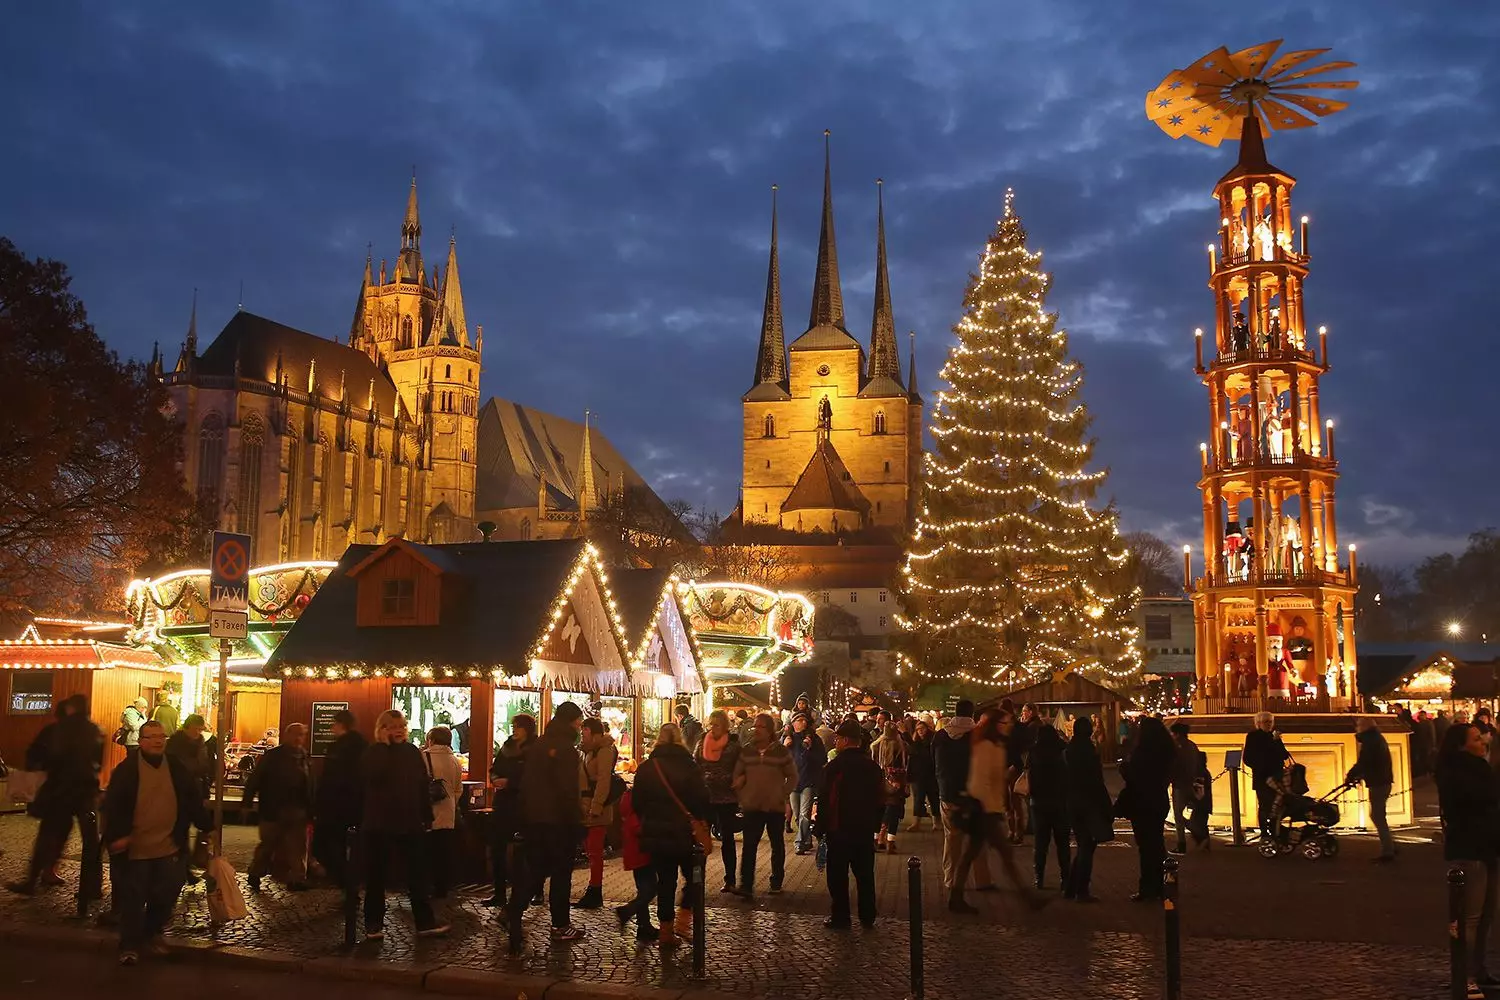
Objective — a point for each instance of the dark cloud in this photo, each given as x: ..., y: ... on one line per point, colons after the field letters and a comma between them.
x: 607, y: 169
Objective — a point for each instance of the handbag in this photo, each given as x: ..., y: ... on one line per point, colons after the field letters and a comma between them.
x: 1023, y: 784
x: 617, y: 789
x: 23, y: 786
x: 702, y: 835
x: 437, y: 789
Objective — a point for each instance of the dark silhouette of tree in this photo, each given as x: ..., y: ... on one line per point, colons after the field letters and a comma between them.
x: 1155, y: 565
x: 90, y: 487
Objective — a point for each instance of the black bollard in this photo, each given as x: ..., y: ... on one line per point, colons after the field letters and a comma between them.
x: 1174, y: 928
x: 700, y: 916
x: 1458, y: 944
x: 351, y: 888
x: 1234, y: 806
x: 914, y: 923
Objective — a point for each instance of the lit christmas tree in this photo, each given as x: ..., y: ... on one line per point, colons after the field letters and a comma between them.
x: 1011, y: 572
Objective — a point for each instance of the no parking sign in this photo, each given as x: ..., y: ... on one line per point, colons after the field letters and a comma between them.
x: 229, y: 572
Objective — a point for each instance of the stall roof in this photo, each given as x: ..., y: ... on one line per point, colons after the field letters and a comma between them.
x: 508, y: 598
x: 1383, y: 666
x: 1063, y: 689
x: 74, y: 654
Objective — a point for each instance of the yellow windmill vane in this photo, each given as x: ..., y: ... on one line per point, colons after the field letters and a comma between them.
x: 1219, y: 95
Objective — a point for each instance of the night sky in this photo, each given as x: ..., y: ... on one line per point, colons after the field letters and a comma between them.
x: 607, y: 169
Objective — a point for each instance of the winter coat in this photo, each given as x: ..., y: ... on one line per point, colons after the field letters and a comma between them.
x: 1089, y: 805
x: 950, y: 758
x: 442, y: 763
x: 1265, y: 755
x: 719, y: 774
x: 1022, y: 739
x: 1373, y: 765
x: 1048, y: 773
x: 692, y: 730
x: 395, y: 789
x: 802, y: 706
x: 132, y: 720
x: 552, y: 782
x: 851, y: 799
x: 631, y: 854
x: 764, y: 778
x: 340, y: 793
x: 921, y: 768
x: 1469, y: 803
x: 890, y: 754
x: 666, y: 831
x: 509, y: 764
x: 193, y: 755
x: 988, y: 782
x: 282, y: 780
x: 124, y: 789
x: 1148, y: 774
x: 1189, y: 764
x: 167, y: 716
x: 810, y: 757
x: 598, y: 768
x: 70, y: 751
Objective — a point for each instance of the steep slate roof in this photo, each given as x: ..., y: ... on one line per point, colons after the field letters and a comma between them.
x: 770, y: 361
x: 826, y: 484
x: 885, y: 358
x: 507, y: 601
x: 825, y: 324
x: 256, y: 342
x: 638, y: 594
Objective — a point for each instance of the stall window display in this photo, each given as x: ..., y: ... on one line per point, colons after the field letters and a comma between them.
x: 427, y: 706
x: 508, y: 705
x: 653, y: 714
x: 616, y: 712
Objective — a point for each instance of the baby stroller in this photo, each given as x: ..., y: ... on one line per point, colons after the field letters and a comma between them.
x: 1300, y: 821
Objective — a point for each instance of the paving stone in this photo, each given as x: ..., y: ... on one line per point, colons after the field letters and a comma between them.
x: 458, y: 981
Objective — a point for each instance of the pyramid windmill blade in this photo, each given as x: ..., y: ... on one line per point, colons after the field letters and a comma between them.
x: 1279, y: 116
x: 1326, y: 85
x: 1173, y: 96
x: 1291, y: 59
x: 1216, y: 68
x: 1325, y: 68
x: 1319, y: 106
x: 1249, y: 62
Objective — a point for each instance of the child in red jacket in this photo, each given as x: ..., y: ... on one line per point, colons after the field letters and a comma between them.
x: 638, y: 863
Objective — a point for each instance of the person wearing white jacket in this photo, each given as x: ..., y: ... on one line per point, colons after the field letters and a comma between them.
x: 443, y: 766
x: 988, y: 789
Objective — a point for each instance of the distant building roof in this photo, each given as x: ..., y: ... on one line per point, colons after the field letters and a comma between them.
x: 1383, y: 666
x: 825, y: 484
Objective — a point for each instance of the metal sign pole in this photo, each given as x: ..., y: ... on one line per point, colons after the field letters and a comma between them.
x: 223, y: 727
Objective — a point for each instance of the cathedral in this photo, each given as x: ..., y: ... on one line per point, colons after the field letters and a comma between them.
x: 832, y: 435
x: 309, y: 445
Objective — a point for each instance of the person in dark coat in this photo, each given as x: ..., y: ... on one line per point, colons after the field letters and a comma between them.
x: 282, y: 780
x: 802, y: 706
x: 1090, y: 812
x: 810, y: 757
x: 1469, y: 805
x: 70, y: 751
x: 951, y: 752
x: 921, y: 772
x: 552, y: 784
x: 338, y: 804
x: 1144, y: 801
x: 1192, y: 798
x: 669, y: 794
x: 692, y: 729
x: 1423, y: 744
x: 189, y: 747
x: 851, y: 805
x: 505, y: 810
x: 1266, y: 756
x: 717, y: 753
x: 1049, y: 802
x: 151, y: 802
x: 1373, y: 767
x: 397, y: 812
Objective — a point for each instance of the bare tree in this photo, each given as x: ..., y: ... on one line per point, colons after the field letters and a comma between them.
x: 1154, y: 564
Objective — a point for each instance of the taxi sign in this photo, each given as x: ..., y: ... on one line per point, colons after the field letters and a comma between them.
x: 229, y: 572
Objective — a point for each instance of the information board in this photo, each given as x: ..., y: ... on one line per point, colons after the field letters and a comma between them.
x: 322, y: 726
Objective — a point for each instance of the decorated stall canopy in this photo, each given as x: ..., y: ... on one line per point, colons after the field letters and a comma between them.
x: 744, y: 633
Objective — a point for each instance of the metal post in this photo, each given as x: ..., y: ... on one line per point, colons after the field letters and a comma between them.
x: 700, y: 916
x: 1174, y: 928
x: 1458, y: 959
x: 351, y: 888
x: 1234, y: 807
x: 914, y: 924
x: 218, y: 836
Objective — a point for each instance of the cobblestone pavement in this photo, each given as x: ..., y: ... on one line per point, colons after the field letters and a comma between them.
x: 1253, y: 927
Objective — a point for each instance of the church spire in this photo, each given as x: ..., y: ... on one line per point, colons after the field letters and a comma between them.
x: 885, y: 357
x: 451, y: 327
x: 770, y: 363
x: 587, y: 498
x: 357, y: 325
x: 409, y: 263
x: 192, y: 333
x: 911, y: 368
x: 827, y: 299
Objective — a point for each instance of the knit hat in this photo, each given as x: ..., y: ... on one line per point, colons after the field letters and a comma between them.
x: 851, y: 731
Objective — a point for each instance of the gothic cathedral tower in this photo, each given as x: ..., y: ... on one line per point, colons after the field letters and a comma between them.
x: 832, y: 441
x: 412, y: 324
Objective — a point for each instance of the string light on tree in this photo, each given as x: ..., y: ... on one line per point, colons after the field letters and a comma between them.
x: 1013, y: 572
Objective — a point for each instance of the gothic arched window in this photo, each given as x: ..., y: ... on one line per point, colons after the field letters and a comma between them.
x: 526, y: 529
x: 447, y: 371
x: 292, y: 519
x: 879, y: 421
x: 770, y: 426
x: 252, y: 445
x: 211, y: 462
x: 406, y: 333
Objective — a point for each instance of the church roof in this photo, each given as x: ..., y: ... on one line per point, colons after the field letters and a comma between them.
x: 828, y: 338
x: 882, y: 387
x: 518, y: 445
x: 885, y: 357
x: 449, y: 325
x: 770, y: 361
x: 825, y: 484
x: 253, y: 344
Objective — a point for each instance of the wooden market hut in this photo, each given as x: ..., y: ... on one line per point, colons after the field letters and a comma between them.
x: 37, y: 674
x: 664, y: 652
x: 1072, y: 694
x: 532, y: 617
x: 1431, y: 675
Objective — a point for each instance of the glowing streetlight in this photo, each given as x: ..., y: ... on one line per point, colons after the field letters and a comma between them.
x: 1455, y: 629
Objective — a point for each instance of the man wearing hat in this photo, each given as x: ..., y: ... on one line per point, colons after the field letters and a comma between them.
x: 1192, y: 798
x: 851, y: 800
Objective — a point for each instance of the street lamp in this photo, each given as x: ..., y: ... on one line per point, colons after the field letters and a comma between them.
x: 1455, y: 629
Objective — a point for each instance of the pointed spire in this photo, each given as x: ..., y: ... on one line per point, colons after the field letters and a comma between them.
x: 192, y: 334
x: 885, y: 357
x: 770, y: 363
x: 312, y: 376
x: 409, y: 263
x: 827, y: 299
x: 155, y: 369
x: 357, y: 325
x: 911, y: 368
x: 587, y: 498
x: 451, y: 326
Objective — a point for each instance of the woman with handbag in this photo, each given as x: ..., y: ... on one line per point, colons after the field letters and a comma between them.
x: 397, y: 813
x: 1090, y: 812
x: 444, y: 780
x: 889, y: 751
x: 599, y: 759
x: 717, y: 753
x: 671, y: 799
x: 988, y: 794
